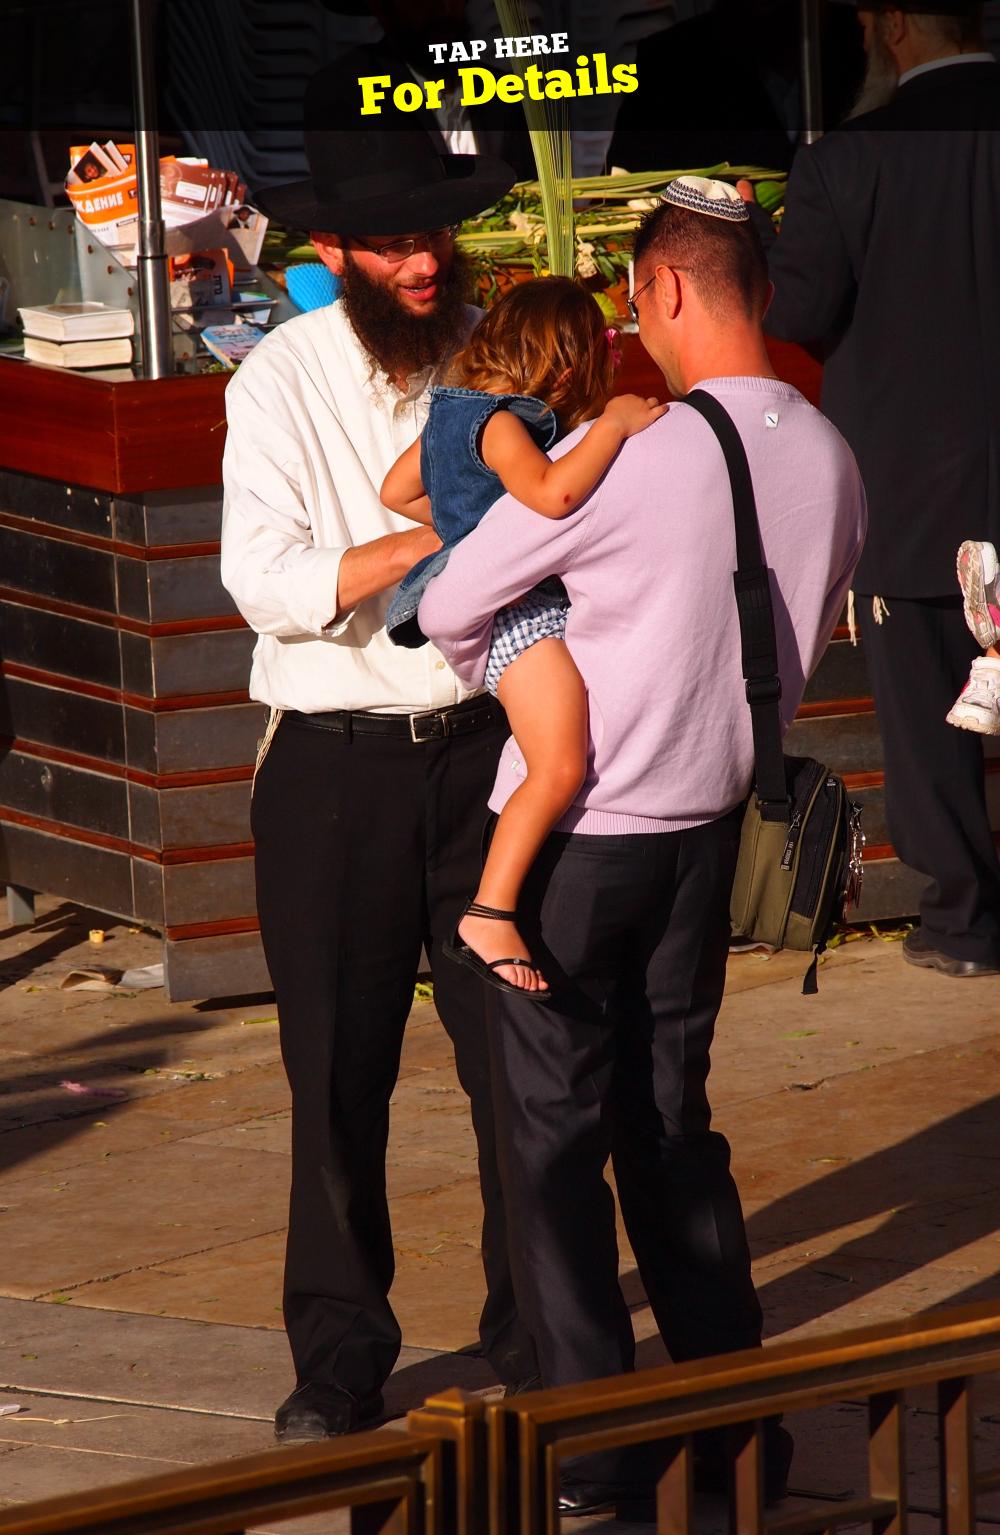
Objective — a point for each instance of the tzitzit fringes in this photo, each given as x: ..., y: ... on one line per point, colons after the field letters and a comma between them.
x: 852, y: 618
x: 263, y: 745
x: 880, y: 610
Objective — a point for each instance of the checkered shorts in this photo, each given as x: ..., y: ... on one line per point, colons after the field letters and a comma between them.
x: 541, y: 615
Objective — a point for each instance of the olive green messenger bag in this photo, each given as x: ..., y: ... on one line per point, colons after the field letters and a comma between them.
x: 799, y: 864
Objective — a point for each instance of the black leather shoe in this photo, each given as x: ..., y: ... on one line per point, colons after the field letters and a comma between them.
x: 581, y: 1500
x: 322, y: 1412
x: 918, y: 951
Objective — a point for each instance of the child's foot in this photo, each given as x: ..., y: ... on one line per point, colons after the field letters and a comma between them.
x: 977, y: 707
x: 492, y: 940
x: 977, y: 576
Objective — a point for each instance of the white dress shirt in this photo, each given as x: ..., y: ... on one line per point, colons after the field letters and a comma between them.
x: 453, y: 120
x: 313, y: 431
x: 951, y: 58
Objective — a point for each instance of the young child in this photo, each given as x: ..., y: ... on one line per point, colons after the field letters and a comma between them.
x: 977, y: 707
x: 540, y: 363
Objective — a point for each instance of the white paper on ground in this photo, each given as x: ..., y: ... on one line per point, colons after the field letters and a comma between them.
x: 142, y: 978
x: 99, y: 978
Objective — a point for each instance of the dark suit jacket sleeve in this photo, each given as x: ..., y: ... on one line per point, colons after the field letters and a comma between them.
x: 764, y: 225
x: 809, y: 262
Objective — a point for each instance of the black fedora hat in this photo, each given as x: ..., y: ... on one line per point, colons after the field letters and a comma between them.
x: 372, y: 181
x: 378, y: 178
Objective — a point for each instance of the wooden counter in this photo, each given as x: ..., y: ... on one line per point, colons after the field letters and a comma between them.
x: 126, y: 735
x: 121, y: 437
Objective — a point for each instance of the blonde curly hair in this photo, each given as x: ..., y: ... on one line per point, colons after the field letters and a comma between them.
x: 546, y: 338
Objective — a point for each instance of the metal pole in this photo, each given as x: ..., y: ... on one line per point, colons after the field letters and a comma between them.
x: 810, y: 72
x: 154, y: 288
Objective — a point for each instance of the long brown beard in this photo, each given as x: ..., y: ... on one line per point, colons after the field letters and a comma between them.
x: 399, y: 342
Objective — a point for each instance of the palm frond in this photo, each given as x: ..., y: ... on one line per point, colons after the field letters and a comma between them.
x: 548, y: 131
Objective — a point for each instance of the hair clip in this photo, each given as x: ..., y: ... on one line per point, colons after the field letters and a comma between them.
x: 611, y: 336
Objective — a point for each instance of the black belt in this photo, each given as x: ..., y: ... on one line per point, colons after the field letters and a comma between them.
x: 426, y: 725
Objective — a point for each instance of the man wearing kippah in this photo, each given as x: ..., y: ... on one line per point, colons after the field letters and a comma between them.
x: 887, y: 263
x: 627, y: 908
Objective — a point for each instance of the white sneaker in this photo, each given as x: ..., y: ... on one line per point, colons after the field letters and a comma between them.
x: 977, y: 707
x: 978, y: 573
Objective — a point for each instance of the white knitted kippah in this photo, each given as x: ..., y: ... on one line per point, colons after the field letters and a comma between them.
x: 701, y: 195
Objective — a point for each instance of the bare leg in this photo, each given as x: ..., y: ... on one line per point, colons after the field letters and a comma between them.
x: 546, y: 703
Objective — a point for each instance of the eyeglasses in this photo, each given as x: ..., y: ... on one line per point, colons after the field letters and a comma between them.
x: 401, y: 250
x: 630, y: 302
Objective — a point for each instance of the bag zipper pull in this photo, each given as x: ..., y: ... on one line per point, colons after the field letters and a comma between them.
x: 793, y: 836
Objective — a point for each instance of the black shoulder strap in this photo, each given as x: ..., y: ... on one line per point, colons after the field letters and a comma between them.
x: 753, y: 603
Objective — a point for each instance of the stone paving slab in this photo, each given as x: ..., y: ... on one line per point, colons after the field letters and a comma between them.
x: 134, y: 1359
x: 239, y: 1283
x: 871, y: 1009
x: 96, y: 1221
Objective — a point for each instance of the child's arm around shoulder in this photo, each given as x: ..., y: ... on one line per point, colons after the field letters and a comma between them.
x: 403, y: 488
x: 554, y: 489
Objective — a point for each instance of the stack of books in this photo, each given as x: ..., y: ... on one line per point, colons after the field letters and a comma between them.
x: 85, y: 335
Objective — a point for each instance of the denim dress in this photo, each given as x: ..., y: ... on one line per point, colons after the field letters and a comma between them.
x: 462, y: 488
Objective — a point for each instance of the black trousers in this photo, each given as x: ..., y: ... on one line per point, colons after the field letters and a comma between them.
x: 367, y: 848
x: 919, y: 659
x: 632, y: 934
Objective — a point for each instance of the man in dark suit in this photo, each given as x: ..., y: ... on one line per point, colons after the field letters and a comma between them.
x: 887, y: 263
x: 725, y: 86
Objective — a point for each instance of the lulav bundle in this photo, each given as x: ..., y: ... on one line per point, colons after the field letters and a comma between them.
x: 548, y: 130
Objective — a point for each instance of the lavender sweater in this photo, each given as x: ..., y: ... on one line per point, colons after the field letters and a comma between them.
x: 648, y: 560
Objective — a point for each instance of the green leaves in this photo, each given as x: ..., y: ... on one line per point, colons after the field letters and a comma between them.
x: 533, y: 226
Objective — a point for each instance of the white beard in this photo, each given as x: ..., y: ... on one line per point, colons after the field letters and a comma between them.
x: 880, y: 83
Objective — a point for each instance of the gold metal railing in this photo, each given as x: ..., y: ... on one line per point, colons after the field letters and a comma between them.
x: 468, y: 1467
x: 511, y: 1451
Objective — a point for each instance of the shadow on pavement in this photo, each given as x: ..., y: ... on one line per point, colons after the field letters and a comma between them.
x: 412, y: 1384
x: 936, y: 1192
x: 62, y: 930
x: 33, y: 1099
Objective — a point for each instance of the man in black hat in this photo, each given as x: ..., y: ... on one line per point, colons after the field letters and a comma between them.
x: 369, y: 799
x: 403, y: 53
x: 887, y: 263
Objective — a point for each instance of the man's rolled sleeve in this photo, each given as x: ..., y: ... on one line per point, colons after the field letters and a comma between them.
x: 280, y: 581
x: 466, y: 654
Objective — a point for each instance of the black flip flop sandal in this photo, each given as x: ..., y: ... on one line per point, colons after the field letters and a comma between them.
x: 462, y: 954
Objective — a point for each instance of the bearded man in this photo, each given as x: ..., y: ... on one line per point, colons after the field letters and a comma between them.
x: 886, y: 264
x: 370, y: 796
